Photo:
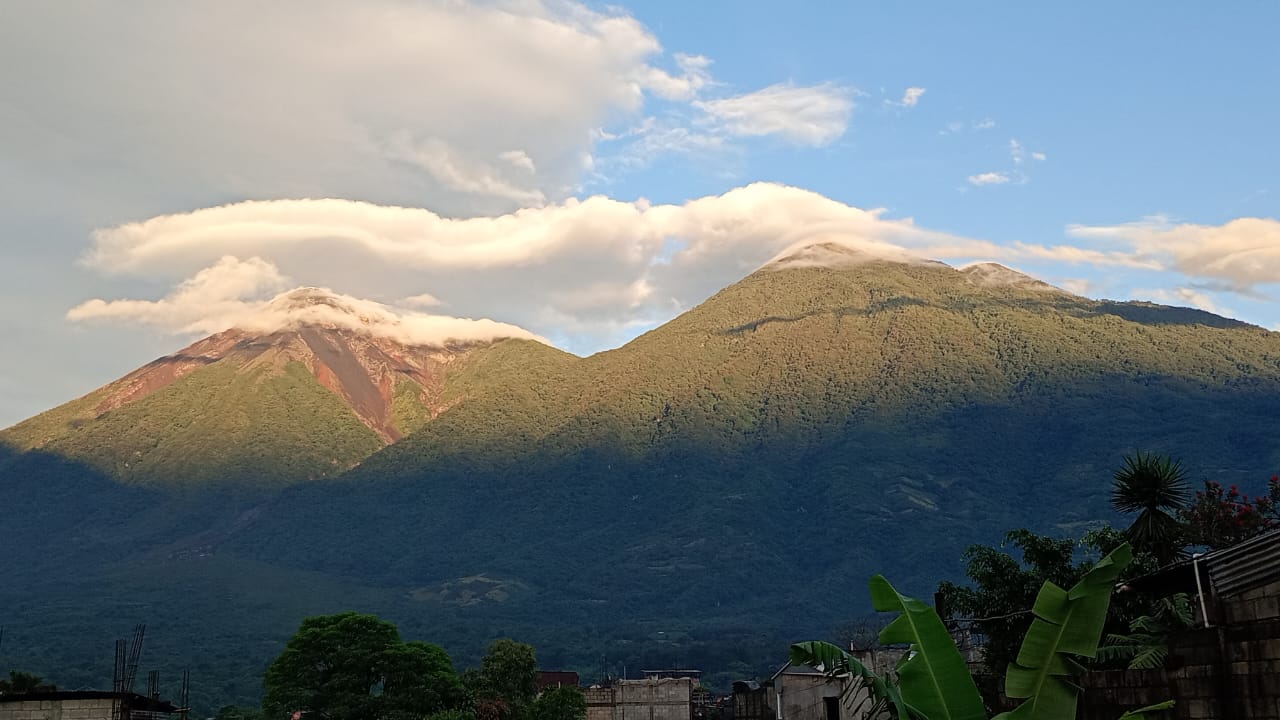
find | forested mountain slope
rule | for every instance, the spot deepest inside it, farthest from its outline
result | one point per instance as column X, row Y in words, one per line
column 716, row 487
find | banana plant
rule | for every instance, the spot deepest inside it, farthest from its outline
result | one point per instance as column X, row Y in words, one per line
column 932, row 682
column 835, row 661
column 1067, row 624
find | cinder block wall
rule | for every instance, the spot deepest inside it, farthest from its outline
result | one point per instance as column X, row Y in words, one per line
column 1227, row 672
column 99, row 709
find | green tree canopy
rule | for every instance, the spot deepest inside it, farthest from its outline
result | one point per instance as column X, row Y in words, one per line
column 559, row 703
column 351, row 666
column 1155, row 487
column 509, row 672
column 20, row 682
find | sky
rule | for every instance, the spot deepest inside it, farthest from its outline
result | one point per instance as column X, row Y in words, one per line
column 584, row 172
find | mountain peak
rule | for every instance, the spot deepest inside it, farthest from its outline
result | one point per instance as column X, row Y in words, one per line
column 316, row 307
column 307, row 297
column 990, row 274
column 840, row 253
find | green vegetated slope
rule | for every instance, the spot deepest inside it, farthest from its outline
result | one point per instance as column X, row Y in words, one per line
column 758, row 457
column 721, row 485
column 223, row 423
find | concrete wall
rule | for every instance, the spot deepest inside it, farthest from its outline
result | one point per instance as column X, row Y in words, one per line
column 1227, row 672
column 802, row 696
column 662, row 699
column 99, row 709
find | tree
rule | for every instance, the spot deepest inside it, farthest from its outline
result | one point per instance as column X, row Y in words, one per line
column 509, row 673
column 1155, row 487
column 1004, row 587
column 351, row 666
column 559, row 703
column 1220, row 517
column 20, row 682
column 859, row 634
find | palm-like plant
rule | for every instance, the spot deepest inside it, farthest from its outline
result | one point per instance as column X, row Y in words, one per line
column 1146, row 646
column 1155, row 487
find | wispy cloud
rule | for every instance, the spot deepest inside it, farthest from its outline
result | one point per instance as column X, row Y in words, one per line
column 910, row 98
column 1240, row 255
column 956, row 127
column 806, row 115
column 988, row 178
column 1183, row 297
column 1019, row 153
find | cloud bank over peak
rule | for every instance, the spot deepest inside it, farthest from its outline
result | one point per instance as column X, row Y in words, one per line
column 229, row 294
column 585, row 273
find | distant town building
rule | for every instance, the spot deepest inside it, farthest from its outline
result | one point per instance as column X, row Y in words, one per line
column 557, row 678
column 753, row 701
column 653, row 698
column 84, row 705
column 801, row 692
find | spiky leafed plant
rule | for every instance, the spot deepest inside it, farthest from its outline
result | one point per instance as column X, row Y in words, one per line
column 932, row 682
column 1155, row 487
column 1146, row 646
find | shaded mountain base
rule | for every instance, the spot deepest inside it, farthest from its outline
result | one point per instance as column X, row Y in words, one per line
column 710, row 552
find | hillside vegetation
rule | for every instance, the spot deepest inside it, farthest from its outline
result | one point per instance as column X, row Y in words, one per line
column 646, row 503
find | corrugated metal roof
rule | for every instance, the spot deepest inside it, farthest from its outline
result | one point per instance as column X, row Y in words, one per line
column 1244, row 566
column 1226, row 572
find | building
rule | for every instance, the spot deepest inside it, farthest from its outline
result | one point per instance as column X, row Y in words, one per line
column 753, row 701
column 84, row 705
column 1227, row 667
column 653, row 698
column 557, row 678
column 801, row 692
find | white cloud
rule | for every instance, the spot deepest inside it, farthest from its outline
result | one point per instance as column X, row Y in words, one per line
column 1079, row 286
column 1016, row 151
column 988, row 178
column 421, row 300
column 1019, row 154
column 956, row 127
column 694, row 76
column 229, row 295
column 200, row 304
column 813, row 115
column 910, row 98
column 1242, row 254
column 455, row 171
column 585, row 273
column 579, row 271
column 520, row 159
column 475, row 107
column 1183, row 297
column 651, row 141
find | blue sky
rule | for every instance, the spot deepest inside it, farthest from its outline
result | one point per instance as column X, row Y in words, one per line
column 448, row 152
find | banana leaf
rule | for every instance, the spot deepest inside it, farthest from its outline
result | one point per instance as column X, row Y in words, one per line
column 1144, row 711
column 933, row 677
column 1067, row 623
column 835, row 662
